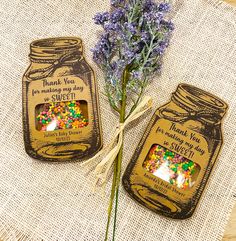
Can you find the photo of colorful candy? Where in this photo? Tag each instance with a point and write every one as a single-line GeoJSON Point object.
{"type": "Point", "coordinates": [171, 167]}
{"type": "Point", "coordinates": [60, 115]}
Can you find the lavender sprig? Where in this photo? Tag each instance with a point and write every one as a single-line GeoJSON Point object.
{"type": "Point", "coordinates": [136, 35]}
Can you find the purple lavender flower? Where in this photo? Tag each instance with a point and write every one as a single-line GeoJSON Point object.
{"type": "Point", "coordinates": [145, 36]}
{"type": "Point", "coordinates": [116, 3]}
{"type": "Point", "coordinates": [131, 28]}
{"type": "Point", "coordinates": [103, 49]}
{"type": "Point", "coordinates": [158, 51]}
{"type": "Point", "coordinates": [112, 27]}
{"type": "Point", "coordinates": [136, 33]}
{"type": "Point", "coordinates": [129, 55]}
{"type": "Point", "coordinates": [117, 15]}
{"type": "Point", "coordinates": [164, 43]}
{"type": "Point", "coordinates": [164, 7]}
{"type": "Point", "coordinates": [159, 16]}
{"type": "Point", "coordinates": [114, 65]}
{"type": "Point", "coordinates": [136, 75]}
{"type": "Point", "coordinates": [101, 18]}
{"type": "Point", "coordinates": [148, 16]}
{"type": "Point", "coordinates": [120, 67]}
{"type": "Point", "coordinates": [115, 71]}
{"type": "Point", "coordinates": [149, 5]}
{"type": "Point", "coordinates": [157, 67]}
{"type": "Point", "coordinates": [153, 17]}
{"type": "Point", "coordinates": [168, 25]}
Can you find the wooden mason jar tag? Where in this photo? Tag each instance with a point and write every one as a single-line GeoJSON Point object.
{"type": "Point", "coordinates": [177, 152]}
{"type": "Point", "coordinates": [61, 119]}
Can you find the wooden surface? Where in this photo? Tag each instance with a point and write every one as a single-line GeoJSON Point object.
{"type": "Point", "coordinates": [233, 2]}
{"type": "Point", "coordinates": [230, 231]}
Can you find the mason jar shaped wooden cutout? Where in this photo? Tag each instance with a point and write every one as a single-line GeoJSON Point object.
{"type": "Point", "coordinates": [173, 161]}
{"type": "Point", "coordinates": [61, 117]}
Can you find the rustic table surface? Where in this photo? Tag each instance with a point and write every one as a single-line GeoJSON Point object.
{"type": "Point", "coordinates": [230, 232]}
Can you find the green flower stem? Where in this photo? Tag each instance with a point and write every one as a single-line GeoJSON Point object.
{"type": "Point", "coordinates": [119, 162]}
{"type": "Point", "coordinates": [117, 167]}
{"type": "Point", "coordinates": [111, 200]}
{"type": "Point", "coordinates": [119, 159]}
{"type": "Point", "coordinates": [136, 102]}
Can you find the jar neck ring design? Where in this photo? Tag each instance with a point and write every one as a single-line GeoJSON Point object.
{"type": "Point", "coordinates": [45, 72]}
{"type": "Point", "coordinates": [54, 52]}
{"type": "Point", "coordinates": [52, 49]}
{"type": "Point", "coordinates": [197, 104]}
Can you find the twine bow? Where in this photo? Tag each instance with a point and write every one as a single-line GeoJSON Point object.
{"type": "Point", "coordinates": [45, 72]}
{"type": "Point", "coordinates": [211, 116]}
{"type": "Point", "coordinates": [112, 150]}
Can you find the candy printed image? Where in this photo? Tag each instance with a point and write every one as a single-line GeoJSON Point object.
{"type": "Point", "coordinates": [60, 115]}
{"type": "Point", "coordinates": [171, 167]}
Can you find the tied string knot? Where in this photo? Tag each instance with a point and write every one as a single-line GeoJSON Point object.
{"type": "Point", "coordinates": [206, 115]}
{"type": "Point", "coordinates": [37, 74]}
{"type": "Point", "coordinates": [112, 149]}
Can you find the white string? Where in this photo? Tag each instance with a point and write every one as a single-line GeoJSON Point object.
{"type": "Point", "coordinates": [111, 151]}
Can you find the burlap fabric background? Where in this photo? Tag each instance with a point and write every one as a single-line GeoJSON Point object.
{"type": "Point", "coordinates": [52, 201]}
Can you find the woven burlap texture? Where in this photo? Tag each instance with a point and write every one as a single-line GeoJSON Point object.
{"type": "Point", "coordinates": [51, 201]}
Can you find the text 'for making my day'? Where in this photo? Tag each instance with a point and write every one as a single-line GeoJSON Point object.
{"type": "Point", "coordinates": [186, 148]}
{"type": "Point", "coordinates": [59, 93]}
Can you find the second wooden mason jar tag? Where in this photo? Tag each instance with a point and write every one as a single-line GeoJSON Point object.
{"type": "Point", "coordinates": [174, 158]}
{"type": "Point", "coordinates": [60, 102]}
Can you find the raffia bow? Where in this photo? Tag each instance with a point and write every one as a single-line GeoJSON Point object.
{"type": "Point", "coordinates": [111, 151]}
